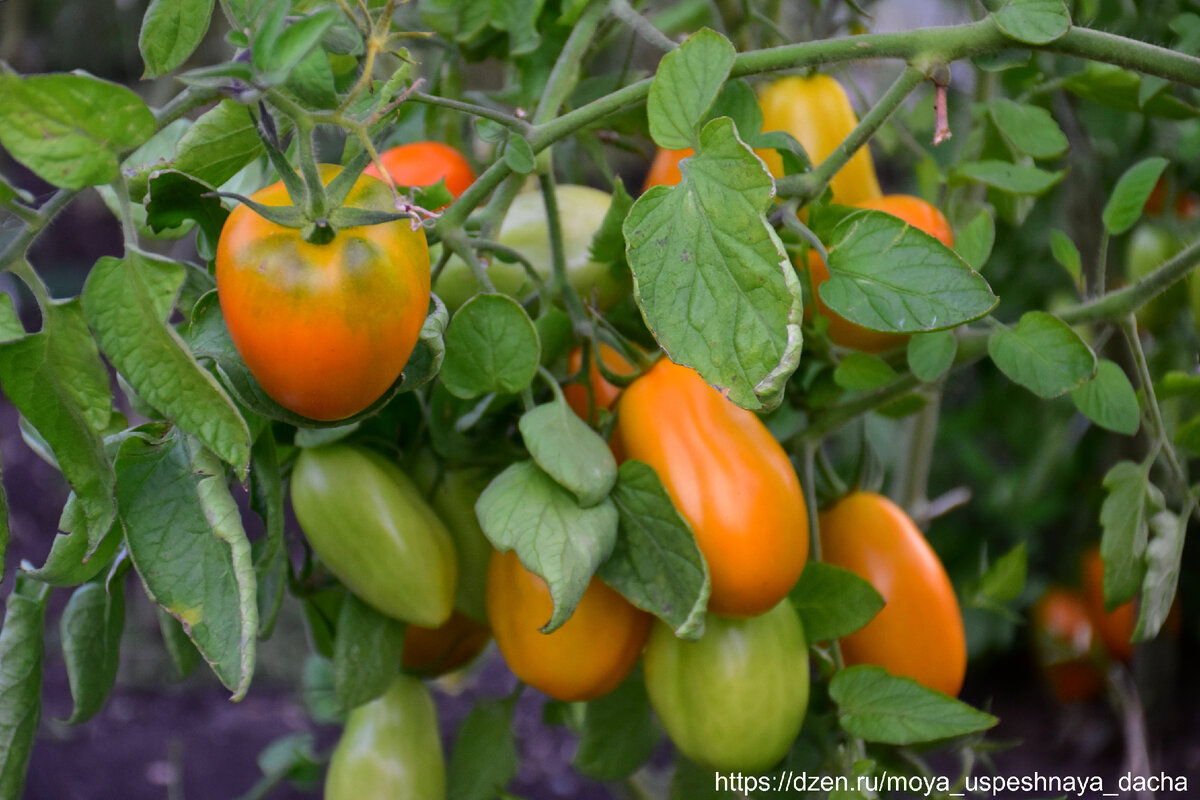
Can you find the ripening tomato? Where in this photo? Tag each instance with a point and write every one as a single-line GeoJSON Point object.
{"type": "Point", "coordinates": [604, 394]}
{"type": "Point", "coordinates": [390, 748]}
{"type": "Point", "coordinates": [915, 212]}
{"type": "Point", "coordinates": [435, 651]}
{"type": "Point", "coordinates": [424, 164]}
{"type": "Point", "coordinates": [664, 169]}
{"type": "Point", "coordinates": [324, 328]}
{"type": "Point", "coordinates": [1065, 645]}
{"type": "Point", "coordinates": [728, 476]}
{"type": "Point", "coordinates": [1114, 627]}
{"type": "Point", "coordinates": [584, 659]}
{"type": "Point", "coordinates": [919, 633]}
{"type": "Point", "coordinates": [371, 527]}
{"type": "Point", "coordinates": [735, 699]}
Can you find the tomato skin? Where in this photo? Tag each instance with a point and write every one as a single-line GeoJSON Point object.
{"type": "Point", "coordinates": [424, 164]}
{"type": "Point", "coordinates": [584, 659]}
{"type": "Point", "coordinates": [664, 169]}
{"type": "Point", "coordinates": [431, 652]}
{"type": "Point", "coordinates": [919, 633]}
{"type": "Point", "coordinates": [728, 477]}
{"type": "Point", "coordinates": [325, 329]}
{"type": "Point", "coordinates": [817, 112]}
{"type": "Point", "coordinates": [915, 212]}
{"type": "Point", "coordinates": [371, 527]}
{"type": "Point", "coordinates": [525, 229]}
{"type": "Point", "coordinates": [390, 748]}
{"type": "Point", "coordinates": [734, 700]}
{"type": "Point", "coordinates": [604, 394]}
{"type": "Point", "coordinates": [1065, 645]}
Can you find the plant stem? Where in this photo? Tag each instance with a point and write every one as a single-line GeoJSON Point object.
{"type": "Point", "coordinates": [640, 25]}
{"type": "Point", "coordinates": [1158, 430]}
{"type": "Point", "coordinates": [507, 120]}
{"type": "Point", "coordinates": [190, 98]}
{"type": "Point", "coordinates": [1122, 301]}
{"type": "Point", "coordinates": [560, 285]}
{"type": "Point", "coordinates": [566, 68]}
{"type": "Point", "coordinates": [12, 254]}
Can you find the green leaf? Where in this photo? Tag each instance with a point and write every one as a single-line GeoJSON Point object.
{"type": "Point", "coordinates": [1109, 400]}
{"type": "Point", "coordinates": [1177, 384]}
{"type": "Point", "coordinates": [491, 346]}
{"type": "Point", "coordinates": [519, 155]}
{"type": "Point", "coordinates": [91, 628]}
{"type": "Point", "coordinates": [608, 244]}
{"type": "Point", "coordinates": [71, 129]}
{"type": "Point", "coordinates": [11, 328]}
{"type": "Point", "coordinates": [1043, 354]}
{"type": "Point", "coordinates": [185, 536]}
{"type": "Point", "coordinates": [1033, 21]}
{"type": "Point", "coordinates": [293, 44]}
{"type": "Point", "coordinates": [833, 602]}
{"type": "Point", "coordinates": [366, 653]}
{"type": "Point", "coordinates": [1124, 207]}
{"type": "Point", "coordinates": [313, 82]}
{"type": "Point", "coordinates": [127, 303]}
{"type": "Point", "coordinates": [219, 144]}
{"type": "Point", "coordinates": [1111, 86]}
{"type": "Point", "coordinates": [519, 18]}
{"type": "Point", "coordinates": [68, 563]}
{"type": "Point", "coordinates": [523, 509]}
{"type": "Point", "coordinates": [1163, 557]}
{"type": "Point", "coordinates": [618, 733]}
{"type": "Point", "coordinates": [656, 563]}
{"type": "Point", "coordinates": [1129, 502]}
{"type": "Point", "coordinates": [173, 198]}
{"type": "Point", "coordinates": [22, 652]}
{"type": "Point", "coordinates": [685, 85]}
{"type": "Point", "coordinates": [930, 355]}
{"type": "Point", "coordinates": [711, 276]}
{"type": "Point", "coordinates": [738, 102]}
{"type": "Point", "coordinates": [1029, 129]}
{"type": "Point", "coordinates": [171, 31]}
{"type": "Point", "coordinates": [484, 758]}
{"type": "Point", "coordinates": [887, 275]}
{"type": "Point", "coordinates": [426, 360]}
{"type": "Point", "coordinates": [1067, 255]}
{"type": "Point", "coordinates": [155, 153]}
{"type": "Point", "coordinates": [879, 707]}
{"type": "Point", "coordinates": [974, 242]}
{"type": "Point", "coordinates": [184, 655]}
{"type": "Point", "coordinates": [692, 782]}
{"type": "Point", "coordinates": [862, 372]}
{"type": "Point", "coordinates": [1011, 178]}
{"type": "Point", "coordinates": [1004, 580]}
{"type": "Point", "coordinates": [569, 451]}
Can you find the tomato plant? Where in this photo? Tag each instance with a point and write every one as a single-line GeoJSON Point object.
{"type": "Point", "coordinates": [603, 394]}
{"type": "Point", "coordinates": [424, 164]}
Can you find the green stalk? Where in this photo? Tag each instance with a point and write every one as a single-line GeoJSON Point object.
{"type": "Point", "coordinates": [1130, 298]}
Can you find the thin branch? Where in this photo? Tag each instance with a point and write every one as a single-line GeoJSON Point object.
{"type": "Point", "coordinates": [640, 25]}
{"type": "Point", "coordinates": [1122, 301]}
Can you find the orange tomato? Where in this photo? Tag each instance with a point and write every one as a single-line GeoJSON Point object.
{"type": "Point", "coordinates": [436, 651]}
{"type": "Point", "coordinates": [424, 164]}
{"type": "Point", "coordinates": [915, 212]}
{"type": "Point", "coordinates": [728, 477]}
{"type": "Point", "coordinates": [584, 659]}
{"type": "Point", "coordinates": [604, 394]}
{"type": "Point", "coordinates": [664, 169]}
{"type": "Point", "coordinates": [919, 633]}
{"type": "Point", "coordinates": [1115, 628]}
{"type": "Point", "coordinates": [324, 328]}
{"type": "Point", "coordinates": [1065, 646]}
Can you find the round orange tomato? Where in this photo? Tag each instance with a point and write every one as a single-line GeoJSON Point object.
{"type": "Point", "coordinates": [604, 394]}
{"type": "Point", "coordinates": [915, 212]}
{"type": "Point", "coordinates": [324, 328]}
{"type": "Point", "coordinates": [919, 633]}
{"type": "Point", "coordinates": [436, 651]}
{"type": "Point", "coordinates": [1115, 627]}
{"type": "Point", "coordinates": [1065, 645]}
{"type": "Point", "coordinates": [728, 476]}
{"type": "Point", "coordinates": [584, 659]}
{"type": "Point", "coordinates": [664, 169]}
{"type": "Point", "coordinates": [424, 164]}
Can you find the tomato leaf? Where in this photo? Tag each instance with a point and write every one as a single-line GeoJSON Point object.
{"type": "Point", "coordinates": [127, 302]}
{"type": "Point", "coordinates": [70, 129]}
{"type": "Point", "coordinates": [366, 653]}
{"type": "Point", "coordinates": [1129, 196]}
{"type": "Point", "coordinates": [1164, 554]}
{"type": "Point", "coordinates": [1114, 87]}
{"type": "Point", "coordinates": [173, 198]}
{"type": "Point", "coordinates": [68, 563]}
{"type": "Point", "coordinates": [711, 276]}
{"type": "Point", "coordinates": [685, 85]}
{"type": "Point", "coordinates": [491, 346]}
{"type": "Point", "coordinates": [863, 372]}
{"type": "Point", "coordinates": [1067, 255]}
{"type": "Point", "coordinates": [1029, 129]}
{"type": "Point", "coordinates": [22, 652]}
{"type": "Point", "coordinates": [277, 55]}
{"type": "Point", "coordinates": [1109, 400]}
{"type": "Point", "coordinates": [184, 655]}
{"type": "Point", "coordinates": [519, 155]}
{"type": "Point", "coordinates": [608, 245]}
{"type": "Point", "coordinates": [887, 275]}
{"type": "Point", "coordinates": [219, 144]}
{"type": "Point", "coordinates": [484, 758]}
{"type": "Point", "coordinates": [974, 242]}
{"type": "Point", "coordinates": [171, 31]}
{"type": "Point", "coordinates": [879, 707]}
{"type": "Point", "coordinates": [656, 563]}
{"type": "Point", "coordinates": [1033, 21]}
{"type": "Point", "coordinates": [569, 451]}
{"type": "Point", "coordinates": [1043, 354]}
{"type": "Point", "coordinates": [833, 602]}
{"type": "Point", "coordinates": [185, 536]}
{"type": "Point", "coordinates": [1008, 177]}
{"type": "Point", "coordinates": [91, 628]}
{"type": "Point", "coordinates": [1129, 503]}
{"type": "Point", "coordinates": [931, 354]}
{"type": "Point", "coordinates": [523, 509]}
{"type": "Point", "coordinates": [618, 733]}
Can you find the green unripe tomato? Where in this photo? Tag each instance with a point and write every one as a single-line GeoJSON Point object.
{"type": "Point", "coordinates": [735, 699]}
{"type": "Point", "coordinates": [1149, 246]}
{"type": "Point", "coordinates": [525, 229]}
{"type": "Point", "coordinates": [390, 749]}
{"type": "Point", "coordinates": [371, 527]}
